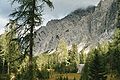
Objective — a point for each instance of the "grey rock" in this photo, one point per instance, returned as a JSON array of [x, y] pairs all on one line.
[[89, 26]]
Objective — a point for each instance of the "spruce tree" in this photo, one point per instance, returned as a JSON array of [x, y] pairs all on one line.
[[1, 57], [96, 67], [82, 57], [62, 51], [10, 48], [73, 54], [28, 15], [113, 55]]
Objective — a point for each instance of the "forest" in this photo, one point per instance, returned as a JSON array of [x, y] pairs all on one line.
[[18, 62]]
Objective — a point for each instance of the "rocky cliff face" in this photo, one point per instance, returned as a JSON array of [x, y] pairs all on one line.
[[89, 26]]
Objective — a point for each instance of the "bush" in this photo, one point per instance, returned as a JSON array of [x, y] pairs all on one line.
[[25, 74], [43, 74], [62, 68], [4, 77]]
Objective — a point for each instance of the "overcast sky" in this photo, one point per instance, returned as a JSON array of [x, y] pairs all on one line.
[[61, 9]]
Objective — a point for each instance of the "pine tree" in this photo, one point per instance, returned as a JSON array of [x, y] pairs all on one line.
[[9, 50], [73, 54], [96, 68], [82, 57], [28, 15], [85, 70], [1, 57], [113, 55], [62, 51]]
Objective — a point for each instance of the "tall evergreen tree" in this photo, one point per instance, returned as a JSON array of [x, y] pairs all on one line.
[[82, 57], [62, 51], [10, 48], [96, 68], [1, 55], [28, 14], [73, 54], [113, 55], [85, 70]]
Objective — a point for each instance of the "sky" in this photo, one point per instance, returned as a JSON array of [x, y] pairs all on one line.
[[61, 9]]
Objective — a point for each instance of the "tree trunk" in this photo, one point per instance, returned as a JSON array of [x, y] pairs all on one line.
[[31, 41], [8, 70], [3, 66], [31, 53]]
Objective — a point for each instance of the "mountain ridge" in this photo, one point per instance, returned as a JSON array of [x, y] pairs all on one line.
[[90, 26]]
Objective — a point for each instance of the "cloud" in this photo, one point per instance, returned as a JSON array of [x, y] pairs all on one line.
[[61, 9], [1, 30], [5, 8], [64, 7], [3, 22]]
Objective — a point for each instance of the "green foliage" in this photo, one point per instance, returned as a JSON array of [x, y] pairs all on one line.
[[1, 57], [25, 72], [73, 55], [96, 68], [60, 61], [44, 74], [73, 68], [63, 68], [112, 76], [74, 78], [9, 50], [1, 65], [62, 51], [28, 15], [113, 55], [82, 56], [103, 62], [85, 71], [59, 78]]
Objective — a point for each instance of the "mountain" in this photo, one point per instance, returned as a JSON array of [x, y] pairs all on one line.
[[83, 27]]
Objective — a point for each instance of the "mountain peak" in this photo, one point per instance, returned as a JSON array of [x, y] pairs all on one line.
[[88, 26]]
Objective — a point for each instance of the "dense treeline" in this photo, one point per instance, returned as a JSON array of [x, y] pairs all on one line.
[[103, 62], [44, 65]]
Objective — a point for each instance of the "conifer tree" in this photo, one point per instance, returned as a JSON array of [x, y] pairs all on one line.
[[96, 67], [82, 57], [85, 70], [73, 54], [28, 15], [1, 58], [62, 51], [113, 55], [10, 48]]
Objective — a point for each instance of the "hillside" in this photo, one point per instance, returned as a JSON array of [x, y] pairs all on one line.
[[83, 26]]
